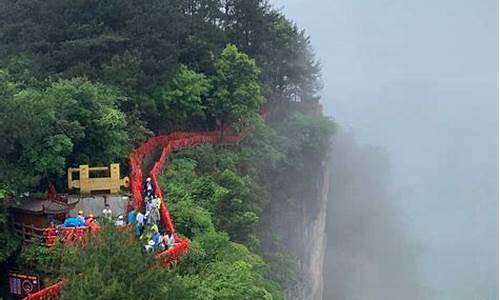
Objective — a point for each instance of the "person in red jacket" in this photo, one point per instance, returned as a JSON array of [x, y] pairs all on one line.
[[92, 224]]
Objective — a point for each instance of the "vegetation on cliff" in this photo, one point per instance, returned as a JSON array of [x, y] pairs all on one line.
[[87, 81]]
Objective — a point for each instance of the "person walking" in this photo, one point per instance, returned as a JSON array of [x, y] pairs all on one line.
[[149, 209], [149, 190], [154, 216], [131, 217], [157, 201], [139, 224]]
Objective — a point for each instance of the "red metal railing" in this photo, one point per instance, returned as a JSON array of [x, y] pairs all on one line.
[[52, 292], [49, 235]]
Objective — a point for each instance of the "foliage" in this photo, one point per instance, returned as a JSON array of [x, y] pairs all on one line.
[[153, 66], [224, 195], [183, 96], [229, 281], [306, 136], [69, 123], [41, 259], [138, 46], [89, 112], [191, 219], [293, 57], [113, 266], [8, 241], [237, 93], [220, 269]]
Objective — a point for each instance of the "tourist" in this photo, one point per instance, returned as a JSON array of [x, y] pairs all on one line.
[[148, 203], [139, 224], [149, 232], [149, 190], [158, 241], [107, 213], [170, 240], [149, 207], [89, 220], [120, 221], [132, 217], [80, 216], [92, 224], [153, 215], [157, 201]]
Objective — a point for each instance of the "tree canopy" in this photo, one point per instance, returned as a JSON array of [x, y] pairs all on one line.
[[184, 97], [237, 94], [85, 82], [68, 123]]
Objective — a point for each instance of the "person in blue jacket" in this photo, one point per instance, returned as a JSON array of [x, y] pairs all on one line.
[[132, 217], [156, 238]]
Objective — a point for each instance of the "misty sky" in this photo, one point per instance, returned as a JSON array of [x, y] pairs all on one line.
[[419, 78]]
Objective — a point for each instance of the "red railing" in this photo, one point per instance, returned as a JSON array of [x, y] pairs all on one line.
[[72, 235], [49, 235], [52, 292], [169, 143]]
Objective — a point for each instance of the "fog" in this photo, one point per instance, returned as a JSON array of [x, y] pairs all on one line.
[[368, 254], [416, 80]]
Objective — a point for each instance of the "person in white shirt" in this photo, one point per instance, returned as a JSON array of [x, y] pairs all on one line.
[[107, 213], [140, 218], [169, 240], [120, 221]]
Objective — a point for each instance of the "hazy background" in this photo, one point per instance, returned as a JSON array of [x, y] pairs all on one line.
[[419, 79]]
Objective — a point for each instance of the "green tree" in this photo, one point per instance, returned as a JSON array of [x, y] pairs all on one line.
[[68, 123], [8, 241], [137, 46], [290, 66], [114, 266], [233, 206], [225, 280], [88, 114], [237, 93], [32, 147], [217, 268], [211, 189], [182, 97]]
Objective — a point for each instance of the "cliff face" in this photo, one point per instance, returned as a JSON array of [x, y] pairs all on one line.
[[297, 228], [308, 239], [293, 224]]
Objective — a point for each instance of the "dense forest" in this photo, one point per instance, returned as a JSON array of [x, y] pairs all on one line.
[[87, 81]]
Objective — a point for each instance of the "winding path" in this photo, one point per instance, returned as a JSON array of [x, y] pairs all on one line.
[[169, 143]]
